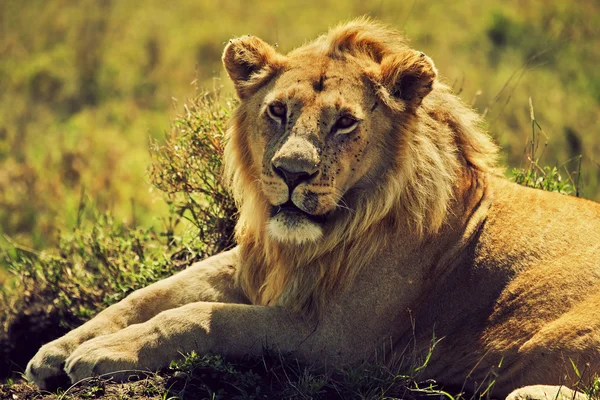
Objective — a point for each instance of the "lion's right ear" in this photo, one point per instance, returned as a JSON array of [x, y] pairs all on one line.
[[250, 63], [408, 77]]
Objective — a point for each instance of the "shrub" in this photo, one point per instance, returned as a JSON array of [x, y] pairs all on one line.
[[102, 260], [95, 265], [188, 169]]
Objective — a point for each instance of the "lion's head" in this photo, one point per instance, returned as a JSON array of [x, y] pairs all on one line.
[[332, 139]]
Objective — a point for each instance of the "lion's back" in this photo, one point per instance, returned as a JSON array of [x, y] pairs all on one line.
[[526, 226]]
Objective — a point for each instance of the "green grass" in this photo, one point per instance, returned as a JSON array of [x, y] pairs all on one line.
[[275, 376], [550, 178]]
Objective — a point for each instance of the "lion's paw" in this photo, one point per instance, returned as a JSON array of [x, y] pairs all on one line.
[[45, 369], [545, 392], [105, 356]]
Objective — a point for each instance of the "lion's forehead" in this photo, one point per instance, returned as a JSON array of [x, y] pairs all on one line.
[[320, 80]]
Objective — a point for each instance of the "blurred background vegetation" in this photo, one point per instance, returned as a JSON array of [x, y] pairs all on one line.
[[85, 85]]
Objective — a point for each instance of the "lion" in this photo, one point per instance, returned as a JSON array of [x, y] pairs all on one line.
[[371, 209]]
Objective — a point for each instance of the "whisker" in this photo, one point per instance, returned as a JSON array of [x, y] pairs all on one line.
[[340, 202]]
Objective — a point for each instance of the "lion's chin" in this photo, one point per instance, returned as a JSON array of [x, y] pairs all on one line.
[[293, 228]]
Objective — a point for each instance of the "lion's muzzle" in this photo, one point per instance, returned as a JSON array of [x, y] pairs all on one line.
[[294, 216]]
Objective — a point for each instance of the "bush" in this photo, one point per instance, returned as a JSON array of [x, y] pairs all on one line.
[[101, 260], [188, 169], [94, 266]]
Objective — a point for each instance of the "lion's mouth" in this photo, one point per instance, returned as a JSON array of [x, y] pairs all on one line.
[[289, 209]]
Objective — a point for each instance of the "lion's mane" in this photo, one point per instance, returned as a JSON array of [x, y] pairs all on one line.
[[446, 145]]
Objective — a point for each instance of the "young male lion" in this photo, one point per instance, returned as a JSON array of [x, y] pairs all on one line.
[[370, 210]]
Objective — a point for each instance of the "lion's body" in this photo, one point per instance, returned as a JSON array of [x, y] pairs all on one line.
[[523, 293], [371, 219]]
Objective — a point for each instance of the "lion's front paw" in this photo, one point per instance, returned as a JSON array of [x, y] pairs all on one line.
[[45, 369], [545, 392], [107, 356]]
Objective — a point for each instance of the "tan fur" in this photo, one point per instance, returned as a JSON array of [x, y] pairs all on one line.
[[370, 210], [412, 195]]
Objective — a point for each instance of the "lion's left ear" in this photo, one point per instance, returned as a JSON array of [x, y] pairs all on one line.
[[250, 63], [408, 76]]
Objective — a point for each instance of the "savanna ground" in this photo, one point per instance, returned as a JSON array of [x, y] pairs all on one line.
[[88, 214]]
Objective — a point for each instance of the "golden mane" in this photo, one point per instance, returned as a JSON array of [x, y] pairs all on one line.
[[413, 198]]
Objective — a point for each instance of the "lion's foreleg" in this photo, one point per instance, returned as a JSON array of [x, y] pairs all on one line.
[[228, 329], [211, 280]]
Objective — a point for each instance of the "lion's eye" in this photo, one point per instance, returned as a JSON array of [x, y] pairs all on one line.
[[277, 111], [345, 124]]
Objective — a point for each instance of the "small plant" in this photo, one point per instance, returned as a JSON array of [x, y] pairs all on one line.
[[213, 377], [546, 177], [592, 390], [93, 391], [587, 383], [282, 376], [188, 169]]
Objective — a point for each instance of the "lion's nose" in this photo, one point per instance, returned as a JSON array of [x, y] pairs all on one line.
[[294, 178], [296, 161]]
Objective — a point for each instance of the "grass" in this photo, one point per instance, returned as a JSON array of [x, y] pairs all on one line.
[[86, 85], [272, 376], [277, 376], [546, 177]]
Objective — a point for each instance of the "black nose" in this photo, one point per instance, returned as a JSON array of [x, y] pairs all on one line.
[[293, 179]]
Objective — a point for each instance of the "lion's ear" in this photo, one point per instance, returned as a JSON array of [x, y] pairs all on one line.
[[250, 63], [408, 76]]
